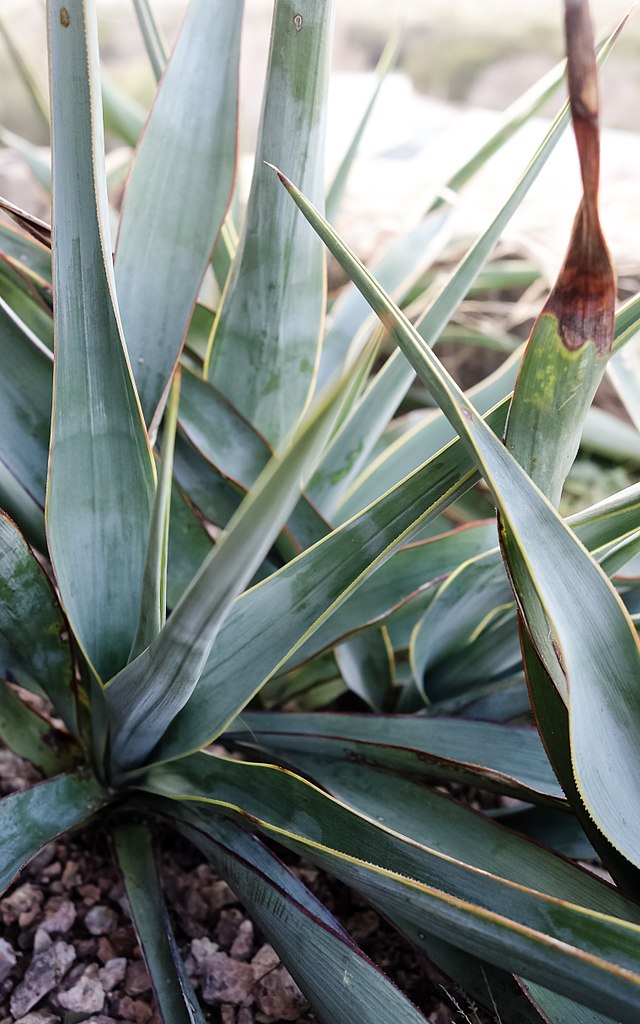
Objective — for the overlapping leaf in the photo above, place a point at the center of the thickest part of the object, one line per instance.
(145, 698)
(337, 978)
(581, 953)
(578, 623)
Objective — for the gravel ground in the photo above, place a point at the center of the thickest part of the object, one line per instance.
(68, 951)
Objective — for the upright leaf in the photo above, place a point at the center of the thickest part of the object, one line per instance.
(178, 193)
(266, 339)
(101, 474)
(152, 34)
(29, 80)
(153, 610)
(387, 63)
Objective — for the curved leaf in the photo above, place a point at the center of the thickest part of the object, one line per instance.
(31, 819)
(26, 251)
(145, 698)
(340, 982)
(270, 622)
(578, 623)
(581, 953)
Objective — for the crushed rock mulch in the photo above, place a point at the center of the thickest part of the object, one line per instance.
(68, 951)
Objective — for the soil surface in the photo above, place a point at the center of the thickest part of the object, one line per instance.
(68, 951)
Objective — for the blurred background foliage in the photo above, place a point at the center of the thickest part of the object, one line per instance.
(453, 57)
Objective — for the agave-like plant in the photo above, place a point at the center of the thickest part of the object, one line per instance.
(182, 433)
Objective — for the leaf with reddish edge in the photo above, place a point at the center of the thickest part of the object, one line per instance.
(572, 340)
(506, 759)
(565, 359)
(340, 982)
(581, 953)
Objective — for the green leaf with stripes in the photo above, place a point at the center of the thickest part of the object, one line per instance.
(266, 340)
(101, 475)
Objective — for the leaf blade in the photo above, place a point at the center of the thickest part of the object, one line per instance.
(99, 451)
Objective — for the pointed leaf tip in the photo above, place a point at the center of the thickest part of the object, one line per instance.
(583, 300)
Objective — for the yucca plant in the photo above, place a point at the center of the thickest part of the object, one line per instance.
(150, 427)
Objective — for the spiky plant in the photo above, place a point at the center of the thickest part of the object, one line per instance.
(293, 575)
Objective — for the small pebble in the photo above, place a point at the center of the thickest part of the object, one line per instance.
(41, 941)
(101, 920)
(39, 1017)
(202, 948)
(113, 973)
(278, 998)
(223, 980)
(60, 914)
(135, 1010)
(22, 905)
(243, 943)
(8, 959)
(265, 960)
(137, 979)
(43, 974)
(123, 941)
(220, 895)
(91, 894)
(105, 950)
(69, 875)
(86, 996)
(228, 926)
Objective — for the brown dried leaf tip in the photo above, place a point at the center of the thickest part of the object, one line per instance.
(583, 299)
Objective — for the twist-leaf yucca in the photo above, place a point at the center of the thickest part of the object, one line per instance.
(162, 568)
